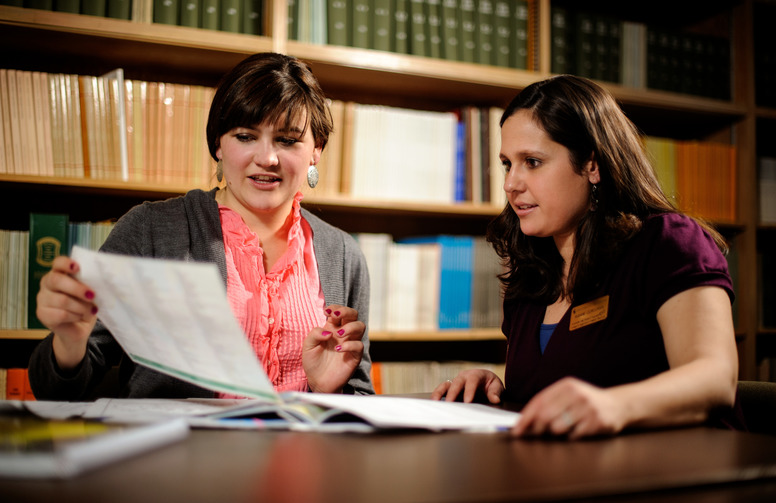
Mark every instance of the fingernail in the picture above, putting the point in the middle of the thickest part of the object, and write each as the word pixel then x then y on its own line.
pixel 336 313
pixel 338 348
pixel 94 309
pixel 341 331
pixel 328 311
pixel 72 266
pixel 89 294
pixel 325 332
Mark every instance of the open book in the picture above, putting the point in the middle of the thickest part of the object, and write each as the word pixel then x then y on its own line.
pixel 165 313
pixel 31 447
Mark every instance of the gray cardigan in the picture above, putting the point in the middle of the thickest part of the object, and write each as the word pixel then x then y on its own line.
pixel 189 228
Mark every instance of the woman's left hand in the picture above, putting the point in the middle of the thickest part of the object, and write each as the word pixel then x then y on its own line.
pixel 331 353
pixel 573 408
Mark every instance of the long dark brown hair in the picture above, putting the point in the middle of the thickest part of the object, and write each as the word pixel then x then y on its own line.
pixel 269 87
pixel 584 118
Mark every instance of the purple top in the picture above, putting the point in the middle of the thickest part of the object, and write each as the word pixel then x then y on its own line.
pixel 672 253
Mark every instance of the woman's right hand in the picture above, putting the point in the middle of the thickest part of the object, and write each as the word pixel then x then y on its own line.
pixel 470 382
pixel 65 306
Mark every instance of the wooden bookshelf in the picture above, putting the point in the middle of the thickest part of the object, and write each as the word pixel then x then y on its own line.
pixel 70 43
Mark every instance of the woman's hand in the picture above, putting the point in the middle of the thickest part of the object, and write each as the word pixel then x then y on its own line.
pixel 331 353
pixel 64 306
pixel 470 382
pixel 573 408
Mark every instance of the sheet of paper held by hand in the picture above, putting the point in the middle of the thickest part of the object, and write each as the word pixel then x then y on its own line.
pixel 174 317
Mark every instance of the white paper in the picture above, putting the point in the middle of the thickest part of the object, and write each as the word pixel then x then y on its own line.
pixel 174 317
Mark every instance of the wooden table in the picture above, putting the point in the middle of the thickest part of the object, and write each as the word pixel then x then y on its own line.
pixel 689 464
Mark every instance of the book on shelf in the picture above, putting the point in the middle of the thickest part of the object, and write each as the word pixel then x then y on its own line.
pixel 401 15
pixel 419 45
pixel 231 14
pixel 37 448
pixel 211 15
pixel 252 17
pixel 484 32
pixel 467 29
pixel 16 384
pixel 767 189
pixel 382 21
pixel 450 30
pixel 434 28
pixel 119 9
pixel 338 15
pixel 47 240
pixel 190 13
pixel 165 11
pixel 502 33
pixel 361 27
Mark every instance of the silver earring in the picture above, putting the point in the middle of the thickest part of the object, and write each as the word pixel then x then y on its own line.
pixel 312 176
pixel 594 197
pixel 220 170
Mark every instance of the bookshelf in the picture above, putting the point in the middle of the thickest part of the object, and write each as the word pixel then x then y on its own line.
pixel 36 40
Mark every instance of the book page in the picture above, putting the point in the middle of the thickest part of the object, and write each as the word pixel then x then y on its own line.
pixel 174 317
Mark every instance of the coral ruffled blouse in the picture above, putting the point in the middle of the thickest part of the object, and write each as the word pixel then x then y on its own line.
pixel 276 309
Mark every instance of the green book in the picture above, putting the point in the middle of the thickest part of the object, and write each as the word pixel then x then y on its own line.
pixel 600 48
pixel 382 19
pixel 585 45
pixel 211 15
pixel 520 35
pixel 231 11
pixel 191 13
pixel 484 32
pixel 119 9
pixel 165 11
pixel 467 30
pixel 362 21
pixel 402 17
pixel 434 20
pixel 73 6
pixel 48 240
pixel 451 46
pixel 93 7
pixel 502 33
pixel 12 3
pixel 418 28
pixel 292 19
pixel 559 35
pixel 614 31
pixel 39 4
pixel 339 16
pixel 251 17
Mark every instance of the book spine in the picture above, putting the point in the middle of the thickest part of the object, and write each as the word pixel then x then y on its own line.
pixel 418 28
pixel 211 15
pixel 48 240
pixel 484 32
pixel 584 44
pixel 467 28
pixel 93 7
pixel 165 11
pixel 231 13
pixel 119 9
pixel 559 33
pixel 434 18
pixel 384 34
pixel 339 18
pixel 450 30
pixel 362 24
pixel 402 26
pixel 252 17
pixel 72 6
pixel 191 13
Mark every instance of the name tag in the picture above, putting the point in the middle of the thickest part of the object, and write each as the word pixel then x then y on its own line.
pixel 589 313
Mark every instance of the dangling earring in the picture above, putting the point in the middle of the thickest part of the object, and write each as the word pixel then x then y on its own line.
pixel 220 170
pixel 312 176
pixel 594 197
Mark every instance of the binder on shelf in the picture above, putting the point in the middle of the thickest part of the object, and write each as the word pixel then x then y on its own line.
pixel 47 240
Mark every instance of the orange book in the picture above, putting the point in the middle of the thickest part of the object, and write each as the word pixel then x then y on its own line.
pixel 15 384
pixel 377 377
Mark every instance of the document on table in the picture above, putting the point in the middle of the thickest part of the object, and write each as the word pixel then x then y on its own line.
pixel 174 317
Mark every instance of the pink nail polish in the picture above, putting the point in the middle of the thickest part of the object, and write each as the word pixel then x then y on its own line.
pixel 94 309
pixel 338 348
pixel 336 313
pixel 328 311
pixel 72 266
pixel 326 333
pixel 89 294
pixel 341 331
